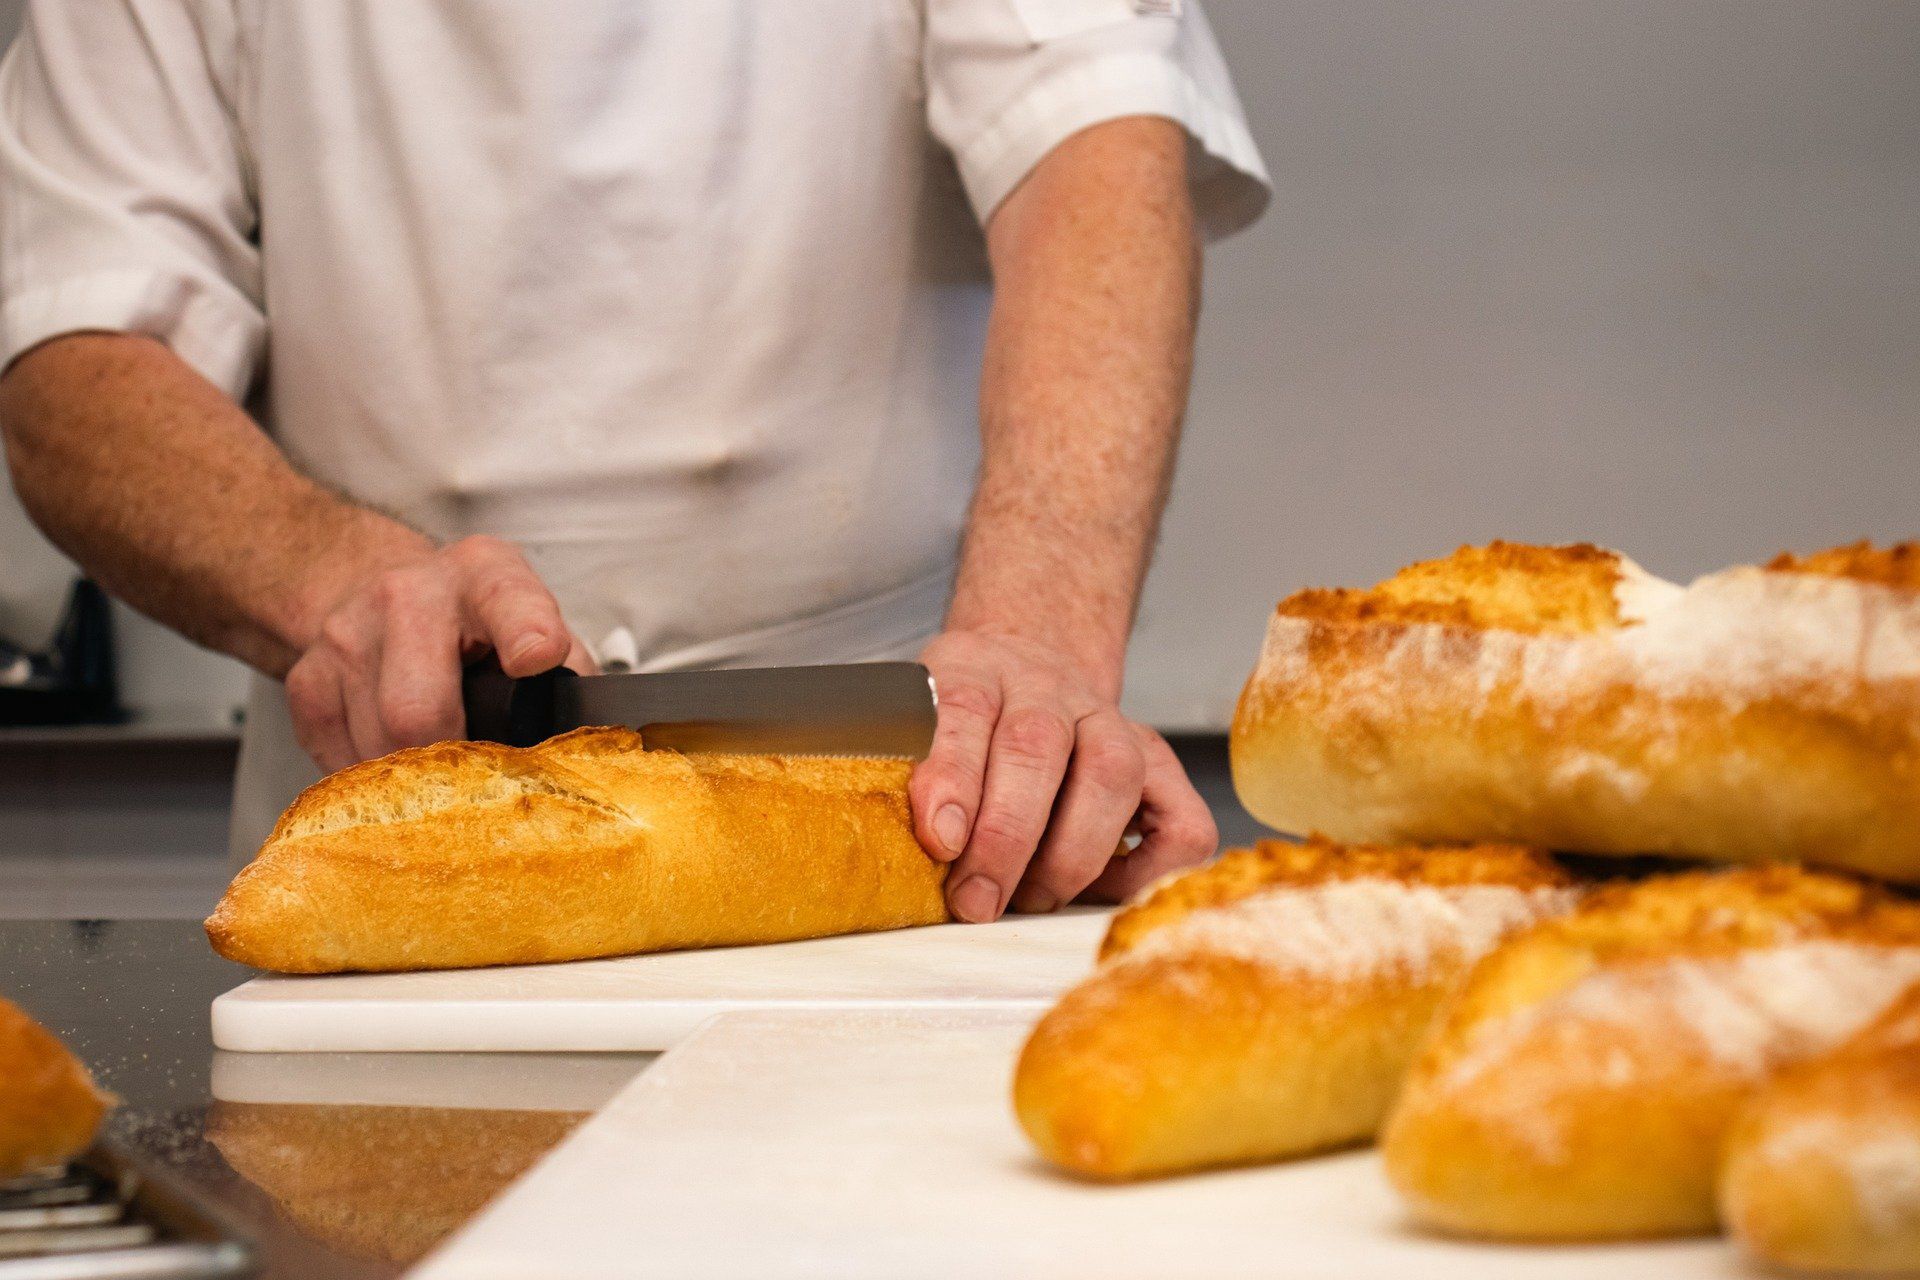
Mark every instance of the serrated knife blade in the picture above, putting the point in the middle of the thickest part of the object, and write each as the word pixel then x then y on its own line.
pixel 856 709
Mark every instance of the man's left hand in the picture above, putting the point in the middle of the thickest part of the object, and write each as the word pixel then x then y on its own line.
pixel 1034 779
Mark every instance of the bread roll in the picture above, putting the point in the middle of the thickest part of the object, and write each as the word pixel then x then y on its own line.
pixel 470 853
pixel 387 1183
pixel 1822 1171
pixel 1562 697
pixel 1581 1083
pixel 1265 1005
pixel 49 1107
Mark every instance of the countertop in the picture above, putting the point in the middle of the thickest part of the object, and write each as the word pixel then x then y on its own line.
pixel 326 1189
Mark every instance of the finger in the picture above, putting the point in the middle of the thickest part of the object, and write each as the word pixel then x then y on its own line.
pixel 1026 761
pixel 946 786
pixel 319 711
pixel 418 685
pixel 351 637
pixel 1176 827
pixel 360 690
pixel 1100 797
pixel 510 608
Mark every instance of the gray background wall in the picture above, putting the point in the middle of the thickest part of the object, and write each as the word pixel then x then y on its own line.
pixel 1645 272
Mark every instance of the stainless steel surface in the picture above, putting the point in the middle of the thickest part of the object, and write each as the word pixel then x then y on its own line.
pixel 328 1188
pixel 860 709
pixel 112 1216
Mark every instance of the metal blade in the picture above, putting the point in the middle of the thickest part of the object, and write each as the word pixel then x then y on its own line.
pixel 862 709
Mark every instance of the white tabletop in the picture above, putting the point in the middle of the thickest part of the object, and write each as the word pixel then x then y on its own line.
pixel 882 1145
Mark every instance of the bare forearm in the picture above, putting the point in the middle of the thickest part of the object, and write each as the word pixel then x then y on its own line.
pixel 174 499
pixel 1088 359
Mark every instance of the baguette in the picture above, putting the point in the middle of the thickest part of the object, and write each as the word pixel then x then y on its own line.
pixel 1581 1083
pixel 49 1107
pixel 1265 1005
pixel 1822 1171
pixel 470 853
pixel 1563 697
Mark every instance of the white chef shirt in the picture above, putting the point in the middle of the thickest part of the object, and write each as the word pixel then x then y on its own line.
pixel 685 297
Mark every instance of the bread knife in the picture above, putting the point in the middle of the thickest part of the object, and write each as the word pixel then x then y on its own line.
pixel 857 709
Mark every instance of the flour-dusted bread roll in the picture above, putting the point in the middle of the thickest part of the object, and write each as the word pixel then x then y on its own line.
pixel 1581 1083
pixel 1822 1171
pixel 1265 1005
pixel 470 853
pixel 1562 697
pixel 49 1107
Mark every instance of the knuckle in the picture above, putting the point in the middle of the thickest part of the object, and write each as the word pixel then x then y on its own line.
pixel 1112 763
pixel 1001 834
pixel 303 685
pixel 394 589
pixel 338 632
pixel 935 776
pixel 1196 837
pixel 967 699
pixel 1035 733
pixel 476 547
pixel 400 586
pixel 312 706
pixel 490 590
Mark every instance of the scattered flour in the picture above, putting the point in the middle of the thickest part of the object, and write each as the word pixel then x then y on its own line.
pixel 1883 1167
pixel 1638 595
pixel 1352 929
pixel 1748 1013
pixel 1885 1172
pixel 1736 636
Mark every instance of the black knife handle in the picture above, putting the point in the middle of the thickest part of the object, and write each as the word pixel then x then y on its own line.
pixel 519 713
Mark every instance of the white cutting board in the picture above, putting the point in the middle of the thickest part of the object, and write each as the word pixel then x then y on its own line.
pixel 877 1146
pixel 651 1002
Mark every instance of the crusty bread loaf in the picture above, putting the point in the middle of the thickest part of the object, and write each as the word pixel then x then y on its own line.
pixel 387 1183
pixel 1562 697
pixel 1265 1005
pixel 470 853
pixel 1582 1081
pixel 1822 1171
pixel 49 1107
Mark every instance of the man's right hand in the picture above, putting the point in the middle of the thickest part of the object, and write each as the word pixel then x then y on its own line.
pixel 383 669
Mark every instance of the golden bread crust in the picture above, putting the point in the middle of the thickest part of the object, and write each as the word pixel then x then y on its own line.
pixel 387 1183
pixel 49 1107
pixel 1582 1081
pixel 474 854
pixel 1752 716
pixel 1508 586
pixel 1266 1005
pixel 1822 1170
pixel 1894 566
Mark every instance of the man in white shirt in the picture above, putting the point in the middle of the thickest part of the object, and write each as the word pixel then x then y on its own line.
pixel 626 331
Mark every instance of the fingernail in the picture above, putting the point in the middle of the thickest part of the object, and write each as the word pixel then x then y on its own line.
pixel 950 824
pixel 1038 902
pixel 976 900
pixel 523 648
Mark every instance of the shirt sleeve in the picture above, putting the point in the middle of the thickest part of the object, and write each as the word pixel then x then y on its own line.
pixel 1008 80
pixel 125 200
